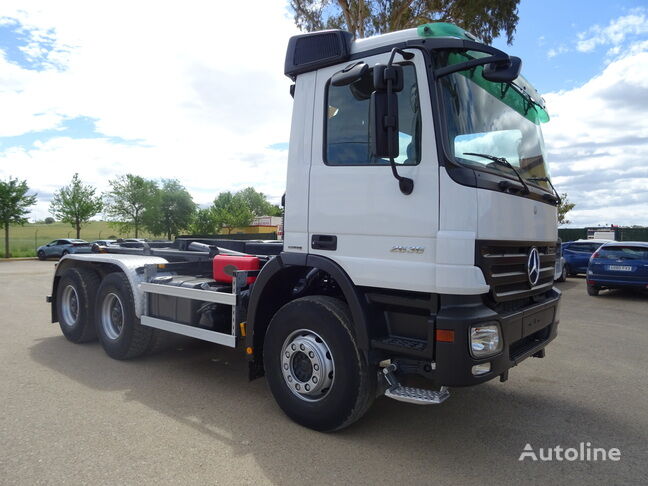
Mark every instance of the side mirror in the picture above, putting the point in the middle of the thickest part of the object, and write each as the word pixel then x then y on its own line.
pixel 383 110
pixel 383 115
pixel 383 125
pixel 503 72
pixel 382 74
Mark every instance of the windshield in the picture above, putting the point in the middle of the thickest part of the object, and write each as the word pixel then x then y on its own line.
pixel 493 119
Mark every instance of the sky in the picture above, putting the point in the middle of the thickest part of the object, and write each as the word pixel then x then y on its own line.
pixel 188 91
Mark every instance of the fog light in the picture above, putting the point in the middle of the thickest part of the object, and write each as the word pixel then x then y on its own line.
pixel 485 340
pixel 481 369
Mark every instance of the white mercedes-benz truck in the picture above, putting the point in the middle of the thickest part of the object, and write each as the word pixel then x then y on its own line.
pixel 420 237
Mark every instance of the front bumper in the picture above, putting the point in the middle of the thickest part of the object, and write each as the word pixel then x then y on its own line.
pixel 525 333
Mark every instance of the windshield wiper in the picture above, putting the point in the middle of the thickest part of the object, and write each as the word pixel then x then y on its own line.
pixel 505 163
pixel 546 179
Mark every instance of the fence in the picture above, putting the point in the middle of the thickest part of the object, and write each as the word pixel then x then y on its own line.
pixel 623 234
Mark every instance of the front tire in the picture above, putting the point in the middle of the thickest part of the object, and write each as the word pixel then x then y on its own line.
pixel 119 329
pixel 75 300
pixel 592 290
pixel 313 366
pixel 563 275
pixel 41 255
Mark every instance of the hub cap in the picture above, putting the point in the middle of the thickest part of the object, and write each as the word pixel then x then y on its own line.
pixel 307 365
pixel 70 305
pixel 112 316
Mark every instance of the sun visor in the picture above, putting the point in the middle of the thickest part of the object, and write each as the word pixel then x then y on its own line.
pixel 307 52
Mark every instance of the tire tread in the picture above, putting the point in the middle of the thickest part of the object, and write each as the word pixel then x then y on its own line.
pixel 140 336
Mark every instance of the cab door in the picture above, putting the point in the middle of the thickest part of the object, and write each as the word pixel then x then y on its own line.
pixel 358 216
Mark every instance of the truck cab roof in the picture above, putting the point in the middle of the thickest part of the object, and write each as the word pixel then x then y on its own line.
pixel 316 50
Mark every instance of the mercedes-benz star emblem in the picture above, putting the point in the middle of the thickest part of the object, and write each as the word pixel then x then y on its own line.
pixel 533 266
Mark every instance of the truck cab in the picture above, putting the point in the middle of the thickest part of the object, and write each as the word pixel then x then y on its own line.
pixel 419 237
pixel 475 238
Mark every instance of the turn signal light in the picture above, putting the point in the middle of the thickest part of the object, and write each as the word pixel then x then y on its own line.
pixel 445 335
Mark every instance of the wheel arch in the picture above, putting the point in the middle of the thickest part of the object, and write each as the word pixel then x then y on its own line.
pixel 100 269
pixel 103 264
pixel 273 288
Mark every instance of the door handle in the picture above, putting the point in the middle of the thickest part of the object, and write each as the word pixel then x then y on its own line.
pixel 324 242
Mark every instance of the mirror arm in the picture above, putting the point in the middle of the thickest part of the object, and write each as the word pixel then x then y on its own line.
pixel 405 184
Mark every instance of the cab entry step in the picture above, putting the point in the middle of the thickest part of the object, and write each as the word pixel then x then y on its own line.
pixel 417 396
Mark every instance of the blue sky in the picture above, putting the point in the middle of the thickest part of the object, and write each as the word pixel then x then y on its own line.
pixel 546 27
pixel 85 88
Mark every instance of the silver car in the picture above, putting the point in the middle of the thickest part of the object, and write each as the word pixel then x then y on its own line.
pixel 60 248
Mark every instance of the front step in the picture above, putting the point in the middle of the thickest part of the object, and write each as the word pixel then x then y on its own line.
pixel 417 396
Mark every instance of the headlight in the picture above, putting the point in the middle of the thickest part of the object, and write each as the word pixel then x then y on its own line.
pixel 485 340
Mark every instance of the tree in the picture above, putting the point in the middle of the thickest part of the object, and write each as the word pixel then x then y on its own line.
pixel 258 203
pixel 363 18
pixel 14 205
pixel 49 220
pixel 564 207
pixel 231 211
pixel 76 204
pixel 170 210
pixel 204 223
pixel 126 201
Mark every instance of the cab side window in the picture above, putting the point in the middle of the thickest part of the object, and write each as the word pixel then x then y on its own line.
pixel 347 122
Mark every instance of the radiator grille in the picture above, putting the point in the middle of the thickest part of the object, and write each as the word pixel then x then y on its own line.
pixel 504 264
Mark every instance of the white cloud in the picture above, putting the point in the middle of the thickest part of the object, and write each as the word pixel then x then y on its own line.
pixel 614 33
pixel 201 91
pixel 561 49
pixel 598 139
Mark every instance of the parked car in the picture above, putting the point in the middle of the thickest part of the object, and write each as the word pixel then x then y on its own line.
pixel 618 265
pixel 60 248
pixel 560 270
pixel 94 245
pixel 577 254
pixel 131 242
pixel 103 242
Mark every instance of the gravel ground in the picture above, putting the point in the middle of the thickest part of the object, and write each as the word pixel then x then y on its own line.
pixel 71 415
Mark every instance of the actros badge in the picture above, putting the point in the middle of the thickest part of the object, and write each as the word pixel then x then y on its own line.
pixel 407 249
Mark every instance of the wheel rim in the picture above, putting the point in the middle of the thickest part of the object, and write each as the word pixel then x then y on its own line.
pixel 112 316
pixel 307 365
pixel 70 306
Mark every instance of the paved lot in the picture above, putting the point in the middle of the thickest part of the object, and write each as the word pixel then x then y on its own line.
pixel 69 414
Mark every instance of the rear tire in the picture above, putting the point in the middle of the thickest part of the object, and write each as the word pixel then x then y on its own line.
pixel 120 332
pixel 592 290
pixel 75 300
pixel 313 366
